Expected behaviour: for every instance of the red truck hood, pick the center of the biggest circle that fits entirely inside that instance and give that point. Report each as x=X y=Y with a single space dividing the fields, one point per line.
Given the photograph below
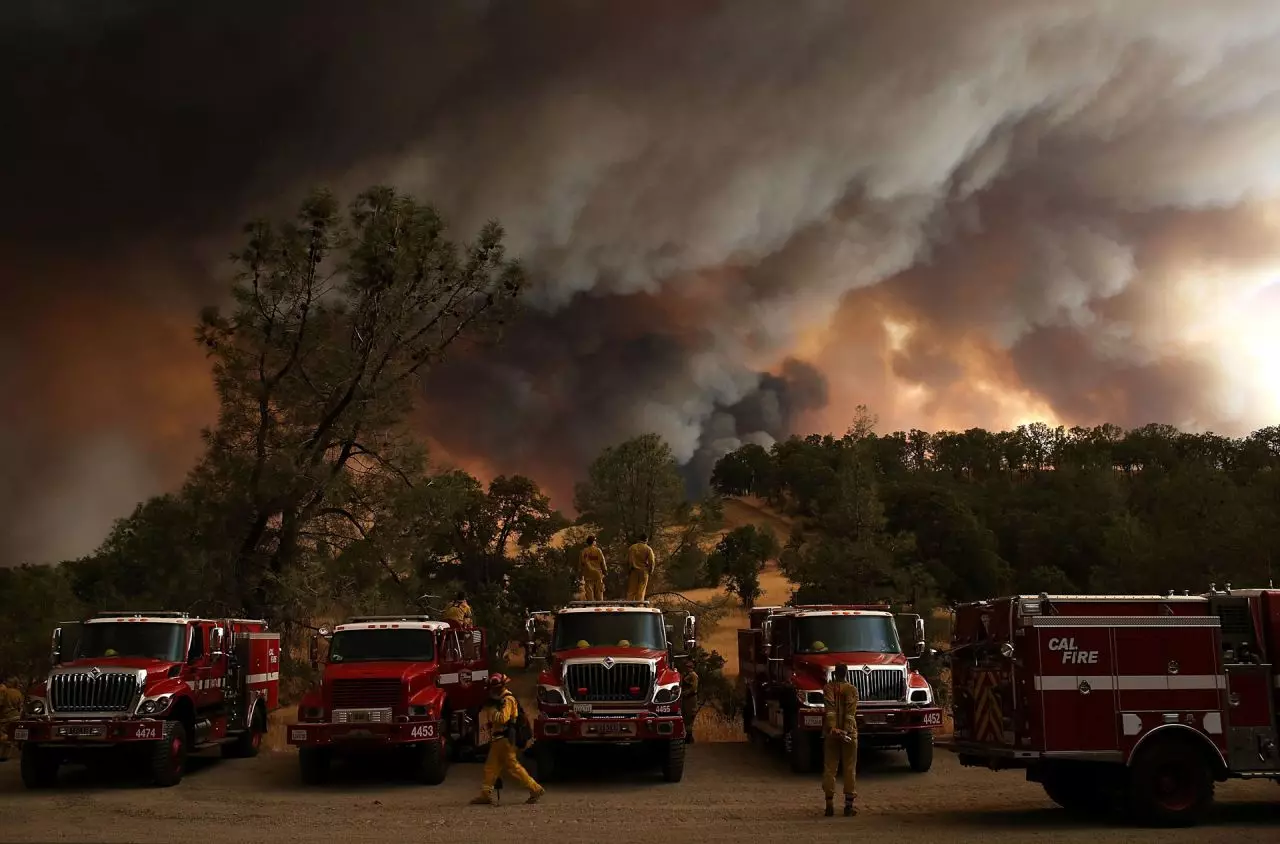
x=602 y=651
x=156 y=668
x=815 y=666
x=404 y=671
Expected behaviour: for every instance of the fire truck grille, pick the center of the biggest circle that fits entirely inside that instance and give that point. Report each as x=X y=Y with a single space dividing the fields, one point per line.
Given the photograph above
x=365 y=694
x=81 y=691
x=879 y=684
x=629 y=682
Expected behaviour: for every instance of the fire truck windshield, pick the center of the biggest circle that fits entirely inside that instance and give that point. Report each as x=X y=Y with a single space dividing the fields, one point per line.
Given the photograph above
x=133 y=639
x=406 y=645
x=847 y=634
x=627 y=629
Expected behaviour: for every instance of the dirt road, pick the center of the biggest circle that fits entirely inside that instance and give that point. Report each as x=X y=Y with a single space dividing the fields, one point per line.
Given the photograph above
x=730 y=791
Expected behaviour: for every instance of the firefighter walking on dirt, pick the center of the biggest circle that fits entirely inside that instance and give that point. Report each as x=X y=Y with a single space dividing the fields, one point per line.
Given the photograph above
x=501 y=713
x=839 y=738
x=642 y=561
x=591 y=566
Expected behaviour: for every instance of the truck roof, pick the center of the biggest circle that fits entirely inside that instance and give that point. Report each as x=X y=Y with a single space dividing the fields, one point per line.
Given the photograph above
x=393 y=624
x=816 y=610
x=622 y=607
x=154 y=617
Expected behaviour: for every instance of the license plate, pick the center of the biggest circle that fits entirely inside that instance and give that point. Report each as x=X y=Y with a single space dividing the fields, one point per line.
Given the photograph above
x=875 y=719
x=21 y=734
x=608 y=729
x=813 y=720
x=81 y=732
x=298 y=735
x=359 y=717
x=582 y=708
x=359 y=734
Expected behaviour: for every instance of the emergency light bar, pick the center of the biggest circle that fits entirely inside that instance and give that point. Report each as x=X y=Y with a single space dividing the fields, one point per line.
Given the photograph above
x=141 y=613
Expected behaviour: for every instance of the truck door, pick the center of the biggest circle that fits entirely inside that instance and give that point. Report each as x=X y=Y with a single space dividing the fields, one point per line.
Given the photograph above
x=1251 y=722
x=1076 y=684
x=677 y=625
x=197 y=671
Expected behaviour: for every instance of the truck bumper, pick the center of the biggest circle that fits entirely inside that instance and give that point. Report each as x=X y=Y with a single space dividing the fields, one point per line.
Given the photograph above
x=577 y=729
x=71 y=733
x=876 y=724
x=996 y=757
x=365 y=735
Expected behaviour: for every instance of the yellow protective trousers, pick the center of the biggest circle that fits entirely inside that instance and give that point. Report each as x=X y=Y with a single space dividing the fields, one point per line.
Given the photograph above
x=835 y=754
x=637 y=585
x=502 y=760
x=594 y=587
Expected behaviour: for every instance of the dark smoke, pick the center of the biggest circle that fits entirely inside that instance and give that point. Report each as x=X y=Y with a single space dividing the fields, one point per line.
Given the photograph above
x=745 y=218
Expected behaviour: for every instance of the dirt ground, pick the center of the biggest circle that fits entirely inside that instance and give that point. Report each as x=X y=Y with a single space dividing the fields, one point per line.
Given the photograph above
x=730 y=791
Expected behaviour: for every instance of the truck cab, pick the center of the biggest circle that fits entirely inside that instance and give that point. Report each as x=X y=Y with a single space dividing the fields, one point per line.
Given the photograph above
x=610 y=679
x=395 y=684
x=788 y=654
x=158 y=680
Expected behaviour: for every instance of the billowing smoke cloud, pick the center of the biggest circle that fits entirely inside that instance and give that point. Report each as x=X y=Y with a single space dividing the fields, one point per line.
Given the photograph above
x=744 y=218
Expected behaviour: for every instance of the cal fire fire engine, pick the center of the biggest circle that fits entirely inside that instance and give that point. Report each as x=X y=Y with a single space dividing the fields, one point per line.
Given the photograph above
x=788 y=654
x=610 y=679
x=1137 y=701
x=397 y=683
x=158 y=680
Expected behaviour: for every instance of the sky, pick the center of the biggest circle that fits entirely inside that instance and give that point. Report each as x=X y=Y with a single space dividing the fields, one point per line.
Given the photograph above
x=743 y=218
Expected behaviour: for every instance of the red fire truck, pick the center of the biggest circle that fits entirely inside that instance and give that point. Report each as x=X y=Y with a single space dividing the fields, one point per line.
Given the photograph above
x=610 y=680
x=788 y=654
x=161 y=681
x=394 y=683
x=1136 y=702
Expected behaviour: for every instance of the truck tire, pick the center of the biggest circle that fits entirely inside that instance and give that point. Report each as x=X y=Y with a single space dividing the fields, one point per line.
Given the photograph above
x=39 y=767
x=313 y=764
x=803 y=750
x=432 y=763
x=168 y=760
x=248 y=743
x=545 y=755
x=673 y=760
x=1170 y=783
x=919 y=746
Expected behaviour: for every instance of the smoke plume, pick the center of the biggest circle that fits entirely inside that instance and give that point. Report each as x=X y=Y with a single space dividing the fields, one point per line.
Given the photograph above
x=744 y=218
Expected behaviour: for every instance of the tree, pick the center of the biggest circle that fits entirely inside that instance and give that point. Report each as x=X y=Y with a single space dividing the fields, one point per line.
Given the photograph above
x=740 y=557
x=336 y=315
x=33 y=599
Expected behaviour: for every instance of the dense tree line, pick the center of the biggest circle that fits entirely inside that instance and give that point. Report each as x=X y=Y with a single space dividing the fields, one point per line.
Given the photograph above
x=962 y=515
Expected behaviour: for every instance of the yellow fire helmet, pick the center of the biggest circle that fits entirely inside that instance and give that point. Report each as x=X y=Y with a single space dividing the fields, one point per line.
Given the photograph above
x=624 y=643
x=110 y=652
x=818 y=646
x=583 y=643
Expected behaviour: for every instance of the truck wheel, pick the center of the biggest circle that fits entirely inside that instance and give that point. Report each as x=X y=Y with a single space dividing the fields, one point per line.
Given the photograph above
x=920 y=750
x=544 y=755
x=802 y=750
x=39 y=767
x=673 y=761
x=313 y=764
x=1170 y=784
x=432 y=763
x=169 y=755
x=248 y=743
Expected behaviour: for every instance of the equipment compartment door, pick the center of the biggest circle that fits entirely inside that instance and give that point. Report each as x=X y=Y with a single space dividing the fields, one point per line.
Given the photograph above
x=1251 y=728
x=1076 y=685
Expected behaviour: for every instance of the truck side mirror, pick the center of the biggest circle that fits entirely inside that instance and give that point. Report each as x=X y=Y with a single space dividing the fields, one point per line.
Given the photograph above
x=922 y=644
x=55 y=647
x=216 y=643
x=690 y=627
x=314 y=652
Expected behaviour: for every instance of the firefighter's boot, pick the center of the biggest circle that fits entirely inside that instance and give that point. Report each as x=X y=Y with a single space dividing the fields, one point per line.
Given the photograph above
x=830 y=810
x=485 y=799
x=535 y=796
x=849 y=811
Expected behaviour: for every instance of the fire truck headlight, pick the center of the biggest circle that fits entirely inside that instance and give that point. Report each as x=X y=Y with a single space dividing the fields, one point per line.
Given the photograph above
x=311 y=713
x=551 y=695
x=419 y=711
x=809 y=698
x=35 y=706
x=1006 y=650
x=667 y=694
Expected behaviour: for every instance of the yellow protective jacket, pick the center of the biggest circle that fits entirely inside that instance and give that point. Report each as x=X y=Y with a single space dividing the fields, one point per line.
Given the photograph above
x=502 y=715
x=840 y=700
x=10 y=704
x=689 y=682
x=458 y=612
x=591 y=562
x=641 y=557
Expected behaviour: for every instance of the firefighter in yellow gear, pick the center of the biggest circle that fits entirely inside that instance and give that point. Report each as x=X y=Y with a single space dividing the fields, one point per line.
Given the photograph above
x=642 y=561
x=459 y=611
x=10 y=710
x=839 y=738
x=688 y=696
x=592 y=567
x=500 y=714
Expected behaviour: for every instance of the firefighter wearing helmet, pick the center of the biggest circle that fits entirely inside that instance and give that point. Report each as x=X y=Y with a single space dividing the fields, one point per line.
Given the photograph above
x=592 y=567
x=459 y=611
x=501 y=713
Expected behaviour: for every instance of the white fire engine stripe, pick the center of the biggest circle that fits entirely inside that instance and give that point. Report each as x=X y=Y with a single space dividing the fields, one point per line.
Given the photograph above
x=1130 y=682
x=263 y=678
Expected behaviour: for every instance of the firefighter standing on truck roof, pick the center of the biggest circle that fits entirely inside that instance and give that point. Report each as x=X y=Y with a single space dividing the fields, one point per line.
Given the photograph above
x=839 y=738
x=459 y=611
x=592 y=566
x=640 y=556
x=10 y=710
x=501 y=712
